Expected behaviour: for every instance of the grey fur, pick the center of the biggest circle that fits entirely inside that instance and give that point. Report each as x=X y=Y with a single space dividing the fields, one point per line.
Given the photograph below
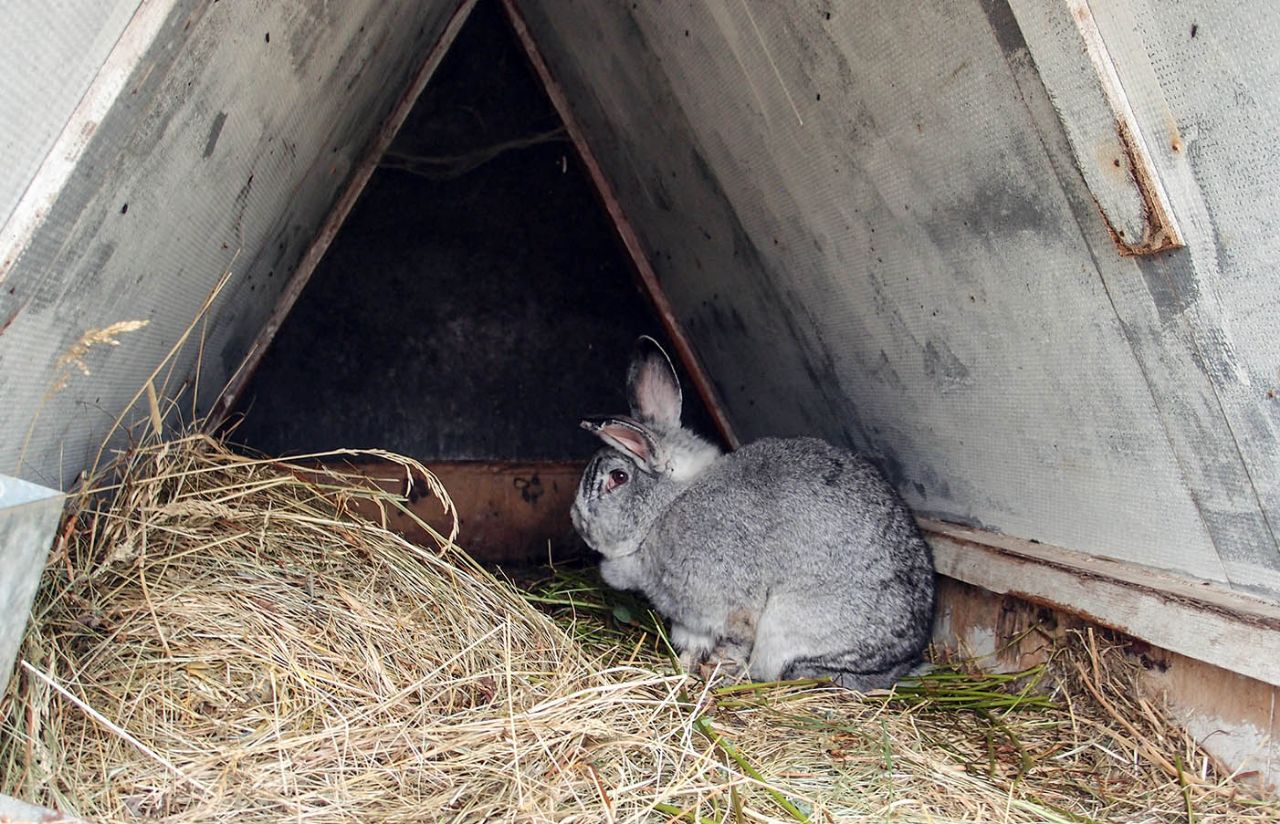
x=790 y=558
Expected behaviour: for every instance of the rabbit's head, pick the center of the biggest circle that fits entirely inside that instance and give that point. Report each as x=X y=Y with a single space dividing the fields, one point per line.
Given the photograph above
x=647 y=461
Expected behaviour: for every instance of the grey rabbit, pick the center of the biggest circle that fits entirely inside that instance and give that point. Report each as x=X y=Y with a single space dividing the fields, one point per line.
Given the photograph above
x=789 y=558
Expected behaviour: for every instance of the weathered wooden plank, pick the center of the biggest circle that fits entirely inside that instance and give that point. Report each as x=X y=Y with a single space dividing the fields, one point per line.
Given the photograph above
x=1205 y=365
x=38 y=166
x=509 y=512
x=1220 y=294
x=1109 y=148
x=50 y=55
x=1198 y=619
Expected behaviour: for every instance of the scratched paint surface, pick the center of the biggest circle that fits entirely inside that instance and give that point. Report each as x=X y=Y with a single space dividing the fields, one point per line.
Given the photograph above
x=224 y=152
x=870 y=222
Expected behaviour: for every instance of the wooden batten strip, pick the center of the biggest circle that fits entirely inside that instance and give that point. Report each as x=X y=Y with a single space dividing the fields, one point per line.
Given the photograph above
x=626 y=233
x=235 y=387
x=1199 y=619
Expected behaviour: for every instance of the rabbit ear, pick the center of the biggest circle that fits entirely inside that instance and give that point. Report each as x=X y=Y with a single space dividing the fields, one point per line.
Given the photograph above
x=627 y=435
x=652 y=386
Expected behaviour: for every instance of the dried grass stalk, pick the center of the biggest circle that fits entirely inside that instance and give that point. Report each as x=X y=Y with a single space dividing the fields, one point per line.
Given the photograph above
x=1071 y=740
x=216 y=638
x=261 y=656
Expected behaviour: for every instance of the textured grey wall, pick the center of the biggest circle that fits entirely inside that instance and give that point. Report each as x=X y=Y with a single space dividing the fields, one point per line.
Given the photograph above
x=867 y=215
x=234 y=126
x=870 y=221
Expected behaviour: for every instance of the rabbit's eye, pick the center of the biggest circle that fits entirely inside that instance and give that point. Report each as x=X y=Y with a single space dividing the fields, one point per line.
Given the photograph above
x=617 y=478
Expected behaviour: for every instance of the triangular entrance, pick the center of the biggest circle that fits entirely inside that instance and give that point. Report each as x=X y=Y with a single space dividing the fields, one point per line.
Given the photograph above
x=475 y=303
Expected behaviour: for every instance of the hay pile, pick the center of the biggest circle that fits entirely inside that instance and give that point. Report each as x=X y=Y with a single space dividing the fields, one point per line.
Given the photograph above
x=252 y=654
x=1073 y=740
x=216 y=638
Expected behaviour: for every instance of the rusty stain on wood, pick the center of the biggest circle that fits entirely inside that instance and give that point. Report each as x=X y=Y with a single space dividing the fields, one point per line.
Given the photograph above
x=10 y=318
x=1084 y=85
x=235 y=386
x=508 y=512
x=626 y=233
x=1161 y=232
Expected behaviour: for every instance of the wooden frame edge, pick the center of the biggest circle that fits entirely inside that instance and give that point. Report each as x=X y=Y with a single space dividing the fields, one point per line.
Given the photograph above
x=1197 y=619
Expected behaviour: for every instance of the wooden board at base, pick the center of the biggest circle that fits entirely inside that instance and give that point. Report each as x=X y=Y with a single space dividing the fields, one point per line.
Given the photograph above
x=1198 y=619
x=1232 y=715
x=508 y=512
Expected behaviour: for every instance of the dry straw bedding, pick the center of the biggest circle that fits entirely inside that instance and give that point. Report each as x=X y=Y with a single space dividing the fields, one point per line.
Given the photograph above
x=216 y=638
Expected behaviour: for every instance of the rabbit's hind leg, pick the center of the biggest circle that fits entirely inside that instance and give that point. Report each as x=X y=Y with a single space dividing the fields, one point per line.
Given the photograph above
x=779 y=632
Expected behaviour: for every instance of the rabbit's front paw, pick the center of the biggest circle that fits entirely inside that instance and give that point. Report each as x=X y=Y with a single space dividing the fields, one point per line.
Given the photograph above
x=720 y=664
x=729 y=656
x=693 y=658
x=693 y=647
